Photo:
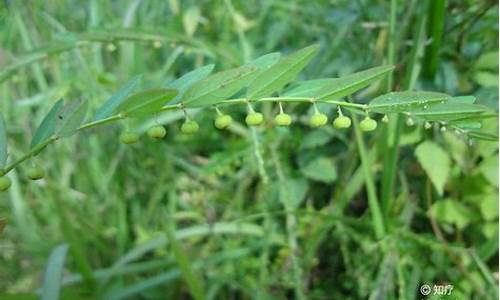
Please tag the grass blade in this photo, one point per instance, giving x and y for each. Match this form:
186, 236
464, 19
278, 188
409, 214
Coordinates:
53, 273
3, 143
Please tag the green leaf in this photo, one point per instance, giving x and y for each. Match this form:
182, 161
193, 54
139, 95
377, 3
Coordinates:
185, 81
296, 190
70, 117
406, 101
489, 169
469, 99
146, 102
435, 162
487, 61
308, 88
53, 273
489, 206
217, 87
48, 125
449, 111
281, 73
320, 169
482, 136
352, 83
263, 63
315, 138
451, 212
113, 102
3, 143
486, 79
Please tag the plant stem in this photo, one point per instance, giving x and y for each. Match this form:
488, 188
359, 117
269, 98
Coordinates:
392, 43
28, 155
391, 133
291, 228
121, 116
377, 217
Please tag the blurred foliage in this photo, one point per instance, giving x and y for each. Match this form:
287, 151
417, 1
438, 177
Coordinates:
267, 213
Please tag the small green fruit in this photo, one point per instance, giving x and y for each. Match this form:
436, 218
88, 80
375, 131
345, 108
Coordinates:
157, 132
368, 124
410, 122
318, 120
5, 183
223, 121
128, 137
190, 127
254, 119
342, 122
283, 119
35, 173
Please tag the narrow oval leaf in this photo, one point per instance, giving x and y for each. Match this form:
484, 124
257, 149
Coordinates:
352, 83
308, 88
3, 143
406, 101
146, 102
109, 107
53, 273
482, 136
465, 99
449, 111
277, 76
182, 83
263, 63
48, 125
218, 87
71, 117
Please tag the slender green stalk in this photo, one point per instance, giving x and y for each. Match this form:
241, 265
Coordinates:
392, 131
102, 121
291, 228
28, 45
121, 116
76, 247
28, 155
391, 147
194, 283
294, 99
437, 11
391, 49
377, 217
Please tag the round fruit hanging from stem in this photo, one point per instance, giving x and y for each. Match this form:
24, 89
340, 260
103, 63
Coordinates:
282, 119
253, 118
318, 119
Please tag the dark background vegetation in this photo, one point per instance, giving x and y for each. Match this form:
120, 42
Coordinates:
224, 195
